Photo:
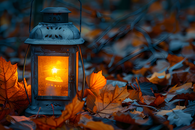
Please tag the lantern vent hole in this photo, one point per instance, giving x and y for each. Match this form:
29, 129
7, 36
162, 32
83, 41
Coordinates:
54, 18
60, 28
51, 27
48, 28
46, 35
56, 28
60, 36
50, 36
56, 36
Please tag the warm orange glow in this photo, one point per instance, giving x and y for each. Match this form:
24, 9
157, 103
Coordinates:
54, 79
53, 75
54, 70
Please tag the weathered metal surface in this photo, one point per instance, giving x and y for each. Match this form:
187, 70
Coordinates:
58, 102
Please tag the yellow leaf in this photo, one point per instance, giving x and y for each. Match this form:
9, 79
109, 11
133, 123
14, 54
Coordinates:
12, 92
87, 122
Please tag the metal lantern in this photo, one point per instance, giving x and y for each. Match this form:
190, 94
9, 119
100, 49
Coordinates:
54, 62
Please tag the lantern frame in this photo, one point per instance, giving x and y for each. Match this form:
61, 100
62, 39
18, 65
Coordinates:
58, 102
45, 41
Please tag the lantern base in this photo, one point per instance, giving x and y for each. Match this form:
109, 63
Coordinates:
30, 112
45, 109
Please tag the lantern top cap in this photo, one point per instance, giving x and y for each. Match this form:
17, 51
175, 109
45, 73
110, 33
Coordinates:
56, 10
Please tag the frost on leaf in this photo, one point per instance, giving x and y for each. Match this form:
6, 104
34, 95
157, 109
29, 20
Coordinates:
178, 117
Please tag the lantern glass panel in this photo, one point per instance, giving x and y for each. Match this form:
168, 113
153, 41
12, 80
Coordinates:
53, 75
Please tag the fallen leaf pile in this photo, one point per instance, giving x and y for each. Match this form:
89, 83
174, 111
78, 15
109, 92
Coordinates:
139, 59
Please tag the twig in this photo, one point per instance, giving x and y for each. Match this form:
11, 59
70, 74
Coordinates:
37, 113
118, 21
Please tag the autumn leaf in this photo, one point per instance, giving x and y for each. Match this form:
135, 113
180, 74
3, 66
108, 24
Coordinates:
173, 59
187, 96
164, 112
70, 111
125, 118
178, 117
109, 101
87, 122
159, 78
136, 94
159, 100
12, 92
184, 86
95, 81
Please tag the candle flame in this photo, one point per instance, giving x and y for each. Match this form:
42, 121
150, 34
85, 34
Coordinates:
54, 70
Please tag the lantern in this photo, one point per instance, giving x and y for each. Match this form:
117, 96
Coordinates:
54, 62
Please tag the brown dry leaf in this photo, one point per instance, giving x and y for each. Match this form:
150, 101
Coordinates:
142, 71
92, 34
110, 100
125, 118
160, 65
136, 95
169, 24
164, 112
194, 87
184, 86
12, 92
187, 96
69, 113
155, 7
173, 59
159, 78
3, 127
183, 77
159, 100
187, 51
87, 122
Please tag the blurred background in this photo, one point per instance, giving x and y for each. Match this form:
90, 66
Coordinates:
123, 38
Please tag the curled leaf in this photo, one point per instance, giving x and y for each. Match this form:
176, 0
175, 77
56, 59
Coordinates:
95, 81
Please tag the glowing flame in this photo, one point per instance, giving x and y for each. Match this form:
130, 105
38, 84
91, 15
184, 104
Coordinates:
54, 70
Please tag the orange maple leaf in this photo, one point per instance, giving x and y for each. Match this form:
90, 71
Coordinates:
109, 101
12, 92
70, 112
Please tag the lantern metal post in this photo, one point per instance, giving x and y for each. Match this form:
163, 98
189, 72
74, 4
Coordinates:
53, 40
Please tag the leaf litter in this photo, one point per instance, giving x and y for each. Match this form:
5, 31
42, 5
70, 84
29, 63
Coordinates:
139, 67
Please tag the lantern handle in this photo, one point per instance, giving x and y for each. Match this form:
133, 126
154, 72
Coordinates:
80, 15
30, 15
